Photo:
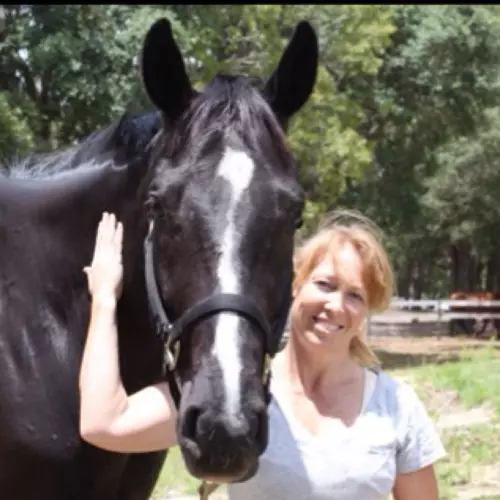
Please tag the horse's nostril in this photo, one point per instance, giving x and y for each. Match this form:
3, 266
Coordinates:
262, 429
190, 423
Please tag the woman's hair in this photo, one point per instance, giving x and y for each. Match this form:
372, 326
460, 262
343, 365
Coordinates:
338, 228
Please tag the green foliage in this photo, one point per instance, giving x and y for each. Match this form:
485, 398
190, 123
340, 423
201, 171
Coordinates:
326, 134
15, 135
467, 184
437, 77
76, 77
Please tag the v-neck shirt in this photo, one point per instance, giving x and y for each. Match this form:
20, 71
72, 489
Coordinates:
392, 434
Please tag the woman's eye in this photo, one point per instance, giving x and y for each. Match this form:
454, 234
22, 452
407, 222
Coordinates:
356, 296
324, 284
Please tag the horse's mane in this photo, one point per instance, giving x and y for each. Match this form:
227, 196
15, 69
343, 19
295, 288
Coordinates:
38, 165
132, 132
228, 105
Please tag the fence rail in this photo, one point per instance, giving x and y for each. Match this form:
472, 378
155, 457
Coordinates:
442, 304
436, 316
443, 307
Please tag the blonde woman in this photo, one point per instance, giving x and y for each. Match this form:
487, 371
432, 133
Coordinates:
340, 427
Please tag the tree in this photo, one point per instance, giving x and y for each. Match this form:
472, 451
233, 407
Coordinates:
463, 199
437, 77
15, 135
68, 77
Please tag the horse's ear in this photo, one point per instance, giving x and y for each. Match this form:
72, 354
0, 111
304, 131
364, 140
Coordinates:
163, 72
292, 82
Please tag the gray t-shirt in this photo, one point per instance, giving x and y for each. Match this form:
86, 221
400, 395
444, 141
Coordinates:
393, 434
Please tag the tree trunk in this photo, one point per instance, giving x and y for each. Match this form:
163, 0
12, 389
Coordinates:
455, 267
471, 271
492, 279
404, 280
490, 272
418, 279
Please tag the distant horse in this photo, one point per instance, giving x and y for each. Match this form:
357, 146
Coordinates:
476, 327
209, 196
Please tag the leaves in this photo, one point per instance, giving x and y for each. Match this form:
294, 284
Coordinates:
15, 135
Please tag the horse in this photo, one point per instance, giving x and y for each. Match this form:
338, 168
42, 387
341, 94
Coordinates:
208, 192
477, 327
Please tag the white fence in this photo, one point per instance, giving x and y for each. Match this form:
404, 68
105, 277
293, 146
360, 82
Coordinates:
442, 307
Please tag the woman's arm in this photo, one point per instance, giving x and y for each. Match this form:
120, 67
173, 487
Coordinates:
416, 485
109, 418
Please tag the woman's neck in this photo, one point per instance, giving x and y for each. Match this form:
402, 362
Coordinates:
315, 372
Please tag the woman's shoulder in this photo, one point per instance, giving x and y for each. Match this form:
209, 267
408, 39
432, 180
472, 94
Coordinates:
394, 394
419, 443
392, 383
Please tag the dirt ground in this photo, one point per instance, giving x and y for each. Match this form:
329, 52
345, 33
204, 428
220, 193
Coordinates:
422, 345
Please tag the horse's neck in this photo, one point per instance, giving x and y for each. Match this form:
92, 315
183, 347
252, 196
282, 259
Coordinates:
75, 193
59, 216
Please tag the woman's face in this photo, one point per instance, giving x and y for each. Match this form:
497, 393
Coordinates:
331, 305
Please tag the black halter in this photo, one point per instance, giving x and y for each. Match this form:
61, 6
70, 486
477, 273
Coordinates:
170, 333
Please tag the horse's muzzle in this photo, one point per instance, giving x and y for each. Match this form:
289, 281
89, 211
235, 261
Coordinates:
221, 447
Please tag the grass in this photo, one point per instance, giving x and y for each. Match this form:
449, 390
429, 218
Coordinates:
475, 377
469, 449
472, 378
174, 477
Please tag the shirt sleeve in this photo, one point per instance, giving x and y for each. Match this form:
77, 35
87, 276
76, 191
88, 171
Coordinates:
420, 444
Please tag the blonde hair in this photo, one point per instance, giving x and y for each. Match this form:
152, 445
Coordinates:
338, 228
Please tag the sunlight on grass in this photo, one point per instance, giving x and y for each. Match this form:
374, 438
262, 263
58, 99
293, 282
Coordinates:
467, 449
476, 377
174, 477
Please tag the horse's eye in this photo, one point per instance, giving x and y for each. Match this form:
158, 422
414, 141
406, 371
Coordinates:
152, 208
299, 223
155, 209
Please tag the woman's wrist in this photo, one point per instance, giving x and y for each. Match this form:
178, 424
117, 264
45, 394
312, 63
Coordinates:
104, 301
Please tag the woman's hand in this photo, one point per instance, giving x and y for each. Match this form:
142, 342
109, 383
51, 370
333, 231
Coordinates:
105, 274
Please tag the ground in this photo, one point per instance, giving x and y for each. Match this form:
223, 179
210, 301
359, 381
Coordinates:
459, 381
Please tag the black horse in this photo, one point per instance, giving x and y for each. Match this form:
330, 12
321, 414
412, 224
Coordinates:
209, 197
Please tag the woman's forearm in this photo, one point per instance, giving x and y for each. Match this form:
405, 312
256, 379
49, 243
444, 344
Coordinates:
102, 395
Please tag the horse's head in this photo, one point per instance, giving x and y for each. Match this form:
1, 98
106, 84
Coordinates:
223, 203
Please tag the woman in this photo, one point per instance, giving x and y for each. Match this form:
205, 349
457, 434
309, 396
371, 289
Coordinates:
340, 428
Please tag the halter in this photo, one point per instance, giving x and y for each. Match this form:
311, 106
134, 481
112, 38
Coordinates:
171, 332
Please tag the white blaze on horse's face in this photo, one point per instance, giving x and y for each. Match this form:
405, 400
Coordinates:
237, 168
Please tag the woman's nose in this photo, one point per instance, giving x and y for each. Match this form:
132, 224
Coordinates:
335, 301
